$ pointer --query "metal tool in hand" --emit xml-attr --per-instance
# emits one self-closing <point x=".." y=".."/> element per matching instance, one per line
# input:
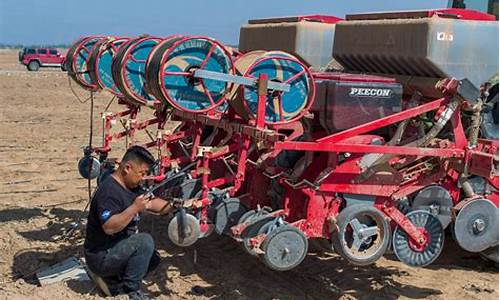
<point x="150" y="192"/>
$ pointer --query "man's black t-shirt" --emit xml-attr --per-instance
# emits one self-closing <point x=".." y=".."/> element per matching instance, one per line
<point x="111" y="198"/>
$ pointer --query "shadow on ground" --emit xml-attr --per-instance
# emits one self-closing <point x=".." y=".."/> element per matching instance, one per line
<point x="58" y="243"/>
<point x="226" y="271"/>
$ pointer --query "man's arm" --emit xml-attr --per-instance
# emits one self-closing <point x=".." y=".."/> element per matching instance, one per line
<point x="119" y="221"/>
<point x="159" y="206"/>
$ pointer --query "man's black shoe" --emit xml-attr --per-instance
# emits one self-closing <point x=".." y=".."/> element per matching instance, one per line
<point x="138" y="295"/>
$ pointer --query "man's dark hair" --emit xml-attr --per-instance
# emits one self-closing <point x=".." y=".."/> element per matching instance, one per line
<point x="138" y="154"/>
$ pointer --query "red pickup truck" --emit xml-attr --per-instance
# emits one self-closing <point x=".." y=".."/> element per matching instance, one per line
<point x="34" y="58"/>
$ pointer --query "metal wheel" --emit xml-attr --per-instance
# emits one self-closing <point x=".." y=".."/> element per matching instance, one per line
<point x="246" y="216"/>
<point x="89" y="167"/>
<point x="436" y="200"/>
<point x="175" y="179"/>
<point x="253" y="213"/>
<point x="409" y="252"/>
<point x="183" y="229"/>
<point x="284" y="248"/>
<point x="188" y="189"/>
<point x="363" y="234"/>
<point x="476" y="226"/>
<point x="227" y="214"/>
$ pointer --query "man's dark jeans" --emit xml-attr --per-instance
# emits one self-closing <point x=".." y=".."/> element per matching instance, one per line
<point x="127" y="261"/>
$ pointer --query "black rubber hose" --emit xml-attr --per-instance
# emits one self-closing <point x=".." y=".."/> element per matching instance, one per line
<point x="94" y="55"/>
<point x="118" y="63"/>
<point x="153" y="67"/>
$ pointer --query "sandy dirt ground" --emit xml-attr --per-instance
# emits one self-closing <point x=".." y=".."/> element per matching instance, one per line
<point x="42" y="129"/>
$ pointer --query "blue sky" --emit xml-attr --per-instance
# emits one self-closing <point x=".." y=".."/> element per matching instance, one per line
<point x="63" y="21"/>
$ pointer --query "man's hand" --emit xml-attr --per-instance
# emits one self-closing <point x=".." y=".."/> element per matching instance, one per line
<point x="119" y="221"/>
<point x="141" y="203"/>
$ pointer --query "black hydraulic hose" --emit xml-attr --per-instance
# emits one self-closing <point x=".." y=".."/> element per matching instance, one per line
<point x="423" y="141"/>
<point x="72" y="55"/>
<point x="153" y="67"/>
<point x="91" y="131"/>
<point x="117" y="65"/>
<point x="93" y="56"/>
<point x="75" y="224"/>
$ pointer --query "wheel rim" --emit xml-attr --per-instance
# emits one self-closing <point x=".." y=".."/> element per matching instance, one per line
<point x="284" y="248"/>
<point x="363" y="234"/>
<point x="191" y="231"/>
<point x="407" y="252"/>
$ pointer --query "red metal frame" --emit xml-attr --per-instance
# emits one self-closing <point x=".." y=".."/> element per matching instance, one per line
<point x="322" y="205"/>
<point x="109" y="119"/>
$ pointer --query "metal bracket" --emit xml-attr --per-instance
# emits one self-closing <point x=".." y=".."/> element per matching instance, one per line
<point x="204" y="74"/>
<point x="274" y="176"/>
<point x="302" y="183"/>
<point x="106" y="114"/>
<point x="226" y="163"/>
<point x="202" y="170"/>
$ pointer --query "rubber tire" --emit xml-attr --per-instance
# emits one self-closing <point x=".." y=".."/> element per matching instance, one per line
<point x="342" y="221"/>
<point x="33" y="66"/>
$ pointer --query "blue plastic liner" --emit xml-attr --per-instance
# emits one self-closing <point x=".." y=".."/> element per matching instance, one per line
<point x="187" y="93"/>
<point x="105" y="59"/>
<point x="280" y="67"/>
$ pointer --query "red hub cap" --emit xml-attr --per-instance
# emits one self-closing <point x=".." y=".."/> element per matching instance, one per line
<point x="420" y="247"/>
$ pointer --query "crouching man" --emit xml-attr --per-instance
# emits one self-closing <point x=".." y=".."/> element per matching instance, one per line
<point x="116" y="253"/>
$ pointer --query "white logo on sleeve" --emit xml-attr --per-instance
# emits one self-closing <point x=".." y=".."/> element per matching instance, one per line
<point x="105" y="214"/>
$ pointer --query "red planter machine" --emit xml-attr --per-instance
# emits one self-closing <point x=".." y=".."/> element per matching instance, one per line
<point x="275" y="154"/>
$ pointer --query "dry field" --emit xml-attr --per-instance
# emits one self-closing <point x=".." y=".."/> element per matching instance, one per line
<point x="42" y="130"/>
